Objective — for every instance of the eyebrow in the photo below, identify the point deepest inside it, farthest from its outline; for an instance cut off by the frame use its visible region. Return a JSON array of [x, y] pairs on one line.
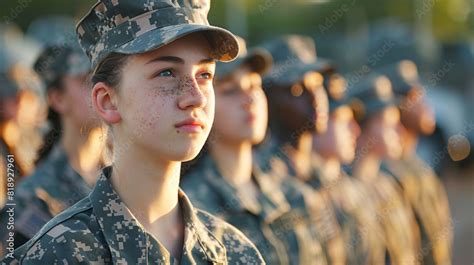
[[174, 59]]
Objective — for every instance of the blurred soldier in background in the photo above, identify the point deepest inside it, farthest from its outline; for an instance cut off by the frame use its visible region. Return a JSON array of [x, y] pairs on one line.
[[9, 108], [421, 186], [226, 182], [71, 155], [362, 234], [298, 106], [379, 119], [17, 55]]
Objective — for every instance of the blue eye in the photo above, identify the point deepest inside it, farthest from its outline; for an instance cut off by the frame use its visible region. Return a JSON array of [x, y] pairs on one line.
[[165, 73], [206, 76]]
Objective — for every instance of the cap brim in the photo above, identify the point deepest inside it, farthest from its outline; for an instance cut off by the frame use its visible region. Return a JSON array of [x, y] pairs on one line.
[[224, 44], [288, 73], [260, 61]]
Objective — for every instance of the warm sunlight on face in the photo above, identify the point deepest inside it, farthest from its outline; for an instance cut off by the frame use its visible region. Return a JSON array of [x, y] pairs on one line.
[[390, 137], [166, 100], [339, 141], [241, 108]]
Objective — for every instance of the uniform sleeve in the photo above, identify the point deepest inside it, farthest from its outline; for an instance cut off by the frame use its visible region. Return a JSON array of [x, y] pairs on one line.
[[66, 243], [239, 249]]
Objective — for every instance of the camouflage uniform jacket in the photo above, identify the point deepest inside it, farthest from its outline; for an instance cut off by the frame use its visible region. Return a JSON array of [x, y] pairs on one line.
[[393, 213], [100, 229], [355, 213], [428, 198], [53, 187], [277, 220], [274, 159]]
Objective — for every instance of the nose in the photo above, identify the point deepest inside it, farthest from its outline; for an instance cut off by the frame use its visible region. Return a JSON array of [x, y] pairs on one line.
[[191, 94], [248, 98]]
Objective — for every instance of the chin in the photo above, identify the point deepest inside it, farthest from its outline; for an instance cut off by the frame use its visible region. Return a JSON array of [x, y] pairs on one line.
[[185, 153], [347, 158]]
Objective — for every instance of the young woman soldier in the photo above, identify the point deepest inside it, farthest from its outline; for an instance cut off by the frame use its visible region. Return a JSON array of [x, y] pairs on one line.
[[372, 103], [333, 149], [153, 67], [298, 107]]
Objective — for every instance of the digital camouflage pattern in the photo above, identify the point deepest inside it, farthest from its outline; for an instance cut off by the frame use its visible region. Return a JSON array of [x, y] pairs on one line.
[[277, 220], [57, 61], [402, 235], [138, 26], [355, 213], [53, 187], [427, 197], [272, 158], [100, 229]]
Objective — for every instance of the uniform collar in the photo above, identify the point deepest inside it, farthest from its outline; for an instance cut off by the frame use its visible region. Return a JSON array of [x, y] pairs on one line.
[[59, 158], [270, 204], [60, 174], [128, 241]]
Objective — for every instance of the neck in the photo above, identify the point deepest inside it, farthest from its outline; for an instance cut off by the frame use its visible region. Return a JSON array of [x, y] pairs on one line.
[[84, 150], [300, 155], [330, 169], [234, 161], [367, 167], [410, 141], [149, 187]]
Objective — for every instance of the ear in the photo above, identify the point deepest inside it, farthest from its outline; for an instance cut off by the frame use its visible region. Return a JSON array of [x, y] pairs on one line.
[[56, 101], [104, 100]]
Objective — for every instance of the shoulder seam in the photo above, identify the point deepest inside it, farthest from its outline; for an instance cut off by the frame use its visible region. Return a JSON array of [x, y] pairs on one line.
[[62, 218]]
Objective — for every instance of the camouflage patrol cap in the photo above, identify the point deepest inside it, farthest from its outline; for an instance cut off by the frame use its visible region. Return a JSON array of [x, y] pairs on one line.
[[259, 60], [370, 96], [57, 61], [138, 26], [403, 75], [293, 57]]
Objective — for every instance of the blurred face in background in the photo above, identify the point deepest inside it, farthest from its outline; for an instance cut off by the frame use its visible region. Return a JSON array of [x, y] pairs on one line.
[[380, 134], [416, 113], [241, 108], [303, 107], [9, 108], [339, 141], [72, 101]]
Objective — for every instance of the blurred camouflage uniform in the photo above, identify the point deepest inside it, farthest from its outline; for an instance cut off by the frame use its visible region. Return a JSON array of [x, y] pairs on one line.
[[355, 214], [429, 200], [100, 229], [277, 221], [294, 56], [53, 187], [393, 212], [421, 187]]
